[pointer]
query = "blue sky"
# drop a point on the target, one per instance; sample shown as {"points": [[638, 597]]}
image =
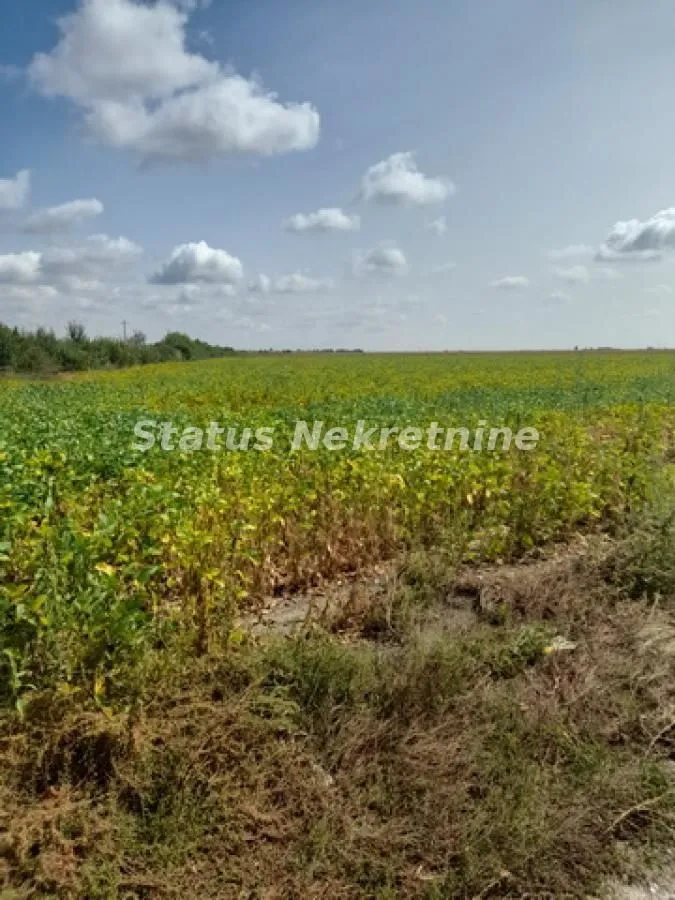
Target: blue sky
{"points": [[491, 175]]}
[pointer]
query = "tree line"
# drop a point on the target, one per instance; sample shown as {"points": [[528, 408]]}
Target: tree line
{"points": [[42, 352]]}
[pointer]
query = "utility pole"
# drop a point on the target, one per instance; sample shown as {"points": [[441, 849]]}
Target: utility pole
{"points": [[124, 327]]}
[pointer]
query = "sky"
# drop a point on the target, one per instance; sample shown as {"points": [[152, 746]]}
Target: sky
{"points": [[444, 174]]}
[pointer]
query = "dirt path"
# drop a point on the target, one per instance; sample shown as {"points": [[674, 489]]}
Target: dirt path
{"points": [[474, 591]]}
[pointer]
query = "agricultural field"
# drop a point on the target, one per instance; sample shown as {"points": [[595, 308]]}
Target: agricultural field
{"points": [[104, 546], [151, 744]]}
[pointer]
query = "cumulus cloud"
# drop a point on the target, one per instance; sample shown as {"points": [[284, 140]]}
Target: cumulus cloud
{"points": [[14, 191], [511, 283], [74, 268], [397, 180], [94, 255], [188, 297], [34, 275], [194, 263], [297, 283], [331, 219], [572, 274], [63, 217], [104, 248], [438, 226], [78, 284], [573, 251], [382, 260], [608, 254], [20, 268], [26, 295], [557, 298], [640, 241], [220, 301], [261, 284], [126, 66]]}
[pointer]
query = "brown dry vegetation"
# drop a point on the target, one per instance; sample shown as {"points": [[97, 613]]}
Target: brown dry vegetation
{"points": [[391, 750]]}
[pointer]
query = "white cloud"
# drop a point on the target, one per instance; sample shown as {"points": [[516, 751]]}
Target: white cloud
{"points": [[190, 263], [557, 298], [20, 268], [191, 5], [192, 297], [438, 226], [26, 295], [70, 270], [102, 247], [187, 298], [382, 260], [118, 50], [397, 180], [125, 64], [151, 301], [261, 284], [77, 284], [608, 254], [511, 283], [14, 191], [572, 274], [330, 219], [97, 253], [63, 217], [73, 269], [573, 251], [220, 301], [224, 290], [641, 241], [297, 283], [86, 303]]}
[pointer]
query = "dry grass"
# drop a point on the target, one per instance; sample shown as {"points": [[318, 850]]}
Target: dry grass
{"points": [[414, 765]]}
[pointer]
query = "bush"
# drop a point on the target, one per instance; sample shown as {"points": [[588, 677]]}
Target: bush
{"points": [[644, 564], [42, 352], [34, 360]]}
